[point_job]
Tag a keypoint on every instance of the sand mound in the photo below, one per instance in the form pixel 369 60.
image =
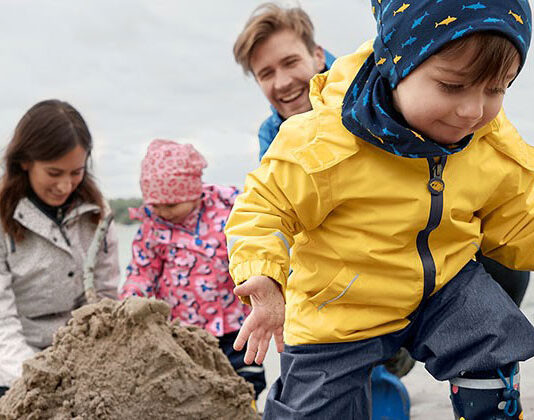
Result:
pixel 124 360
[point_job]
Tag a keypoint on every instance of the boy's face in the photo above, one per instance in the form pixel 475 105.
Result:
pixel 436 101
pixel 283 67
pixel 175 212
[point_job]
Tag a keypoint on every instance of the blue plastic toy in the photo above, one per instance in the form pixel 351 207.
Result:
pixel 390 397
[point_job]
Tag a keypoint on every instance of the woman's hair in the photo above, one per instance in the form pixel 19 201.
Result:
pixel 492 59
pixel 49 130
pixel 267 19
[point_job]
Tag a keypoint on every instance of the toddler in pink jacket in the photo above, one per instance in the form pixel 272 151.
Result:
pixel 179 253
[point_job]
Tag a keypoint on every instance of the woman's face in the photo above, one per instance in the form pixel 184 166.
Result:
pixel 53 181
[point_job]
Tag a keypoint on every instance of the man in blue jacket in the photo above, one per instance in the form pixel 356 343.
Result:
pixel 278 48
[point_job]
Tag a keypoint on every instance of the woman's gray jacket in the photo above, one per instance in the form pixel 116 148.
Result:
pixel 41 279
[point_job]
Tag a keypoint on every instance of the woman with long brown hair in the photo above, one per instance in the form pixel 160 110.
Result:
pixel 50 206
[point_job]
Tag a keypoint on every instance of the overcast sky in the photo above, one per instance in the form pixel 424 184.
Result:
pixel 144 69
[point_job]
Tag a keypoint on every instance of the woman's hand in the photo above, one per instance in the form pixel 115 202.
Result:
pixel 265 320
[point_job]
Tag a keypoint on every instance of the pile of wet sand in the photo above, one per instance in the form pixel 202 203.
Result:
pixel 124 360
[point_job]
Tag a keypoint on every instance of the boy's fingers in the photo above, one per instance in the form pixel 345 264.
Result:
pixel 279 340
pixel 262 350
pixel 252 348
pixel 239 343
pixel 249 356
pixel 242 337
pixel 242 289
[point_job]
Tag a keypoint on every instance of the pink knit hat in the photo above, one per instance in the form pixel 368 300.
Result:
pixel 171 173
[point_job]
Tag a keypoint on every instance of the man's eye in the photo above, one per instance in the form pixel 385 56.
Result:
pixel 265 75
pixel 450 87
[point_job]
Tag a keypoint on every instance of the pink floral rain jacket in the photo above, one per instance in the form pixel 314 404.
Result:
pixel 186 264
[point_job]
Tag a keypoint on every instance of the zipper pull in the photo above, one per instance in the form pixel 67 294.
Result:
pixel 436 185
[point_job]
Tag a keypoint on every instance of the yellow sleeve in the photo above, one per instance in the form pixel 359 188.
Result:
pixel 280 200
pixel 508 217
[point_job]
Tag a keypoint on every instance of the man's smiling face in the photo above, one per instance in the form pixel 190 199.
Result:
pixel 283 67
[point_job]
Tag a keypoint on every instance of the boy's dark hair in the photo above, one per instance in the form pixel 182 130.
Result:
pixel 49 130
pixel 267 19
pixel 493 57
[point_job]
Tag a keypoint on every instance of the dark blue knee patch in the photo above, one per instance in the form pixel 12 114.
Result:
pixel 487 395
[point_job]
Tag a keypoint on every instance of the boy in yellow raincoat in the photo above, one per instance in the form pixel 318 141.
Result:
pixel 408 154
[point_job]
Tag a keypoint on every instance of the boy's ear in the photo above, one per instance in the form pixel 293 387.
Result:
pixel 319 58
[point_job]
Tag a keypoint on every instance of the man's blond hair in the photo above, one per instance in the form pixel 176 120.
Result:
pixel 264 21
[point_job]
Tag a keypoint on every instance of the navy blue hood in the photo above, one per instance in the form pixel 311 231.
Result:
pixel 408 33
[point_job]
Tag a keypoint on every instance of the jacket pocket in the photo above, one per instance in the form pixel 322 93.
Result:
pixel 336 290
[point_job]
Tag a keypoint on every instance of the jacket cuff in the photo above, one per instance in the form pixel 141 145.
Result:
pixel 243 271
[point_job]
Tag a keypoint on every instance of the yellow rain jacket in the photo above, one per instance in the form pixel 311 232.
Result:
pixel 372 234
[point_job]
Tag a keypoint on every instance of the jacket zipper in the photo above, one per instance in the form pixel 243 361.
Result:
pixel 59 221
pixel 435 186
pixel 64 234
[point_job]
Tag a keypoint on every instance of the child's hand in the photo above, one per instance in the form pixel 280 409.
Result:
pixel 265 320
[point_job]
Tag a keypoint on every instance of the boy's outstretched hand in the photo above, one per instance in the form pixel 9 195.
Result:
pixel 265 320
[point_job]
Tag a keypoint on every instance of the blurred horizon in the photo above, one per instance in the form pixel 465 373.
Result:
pixel 143 69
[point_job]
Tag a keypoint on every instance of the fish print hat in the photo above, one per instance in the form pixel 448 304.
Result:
pixel 408 32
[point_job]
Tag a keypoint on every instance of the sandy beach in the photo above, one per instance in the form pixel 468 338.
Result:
pixel 428 396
